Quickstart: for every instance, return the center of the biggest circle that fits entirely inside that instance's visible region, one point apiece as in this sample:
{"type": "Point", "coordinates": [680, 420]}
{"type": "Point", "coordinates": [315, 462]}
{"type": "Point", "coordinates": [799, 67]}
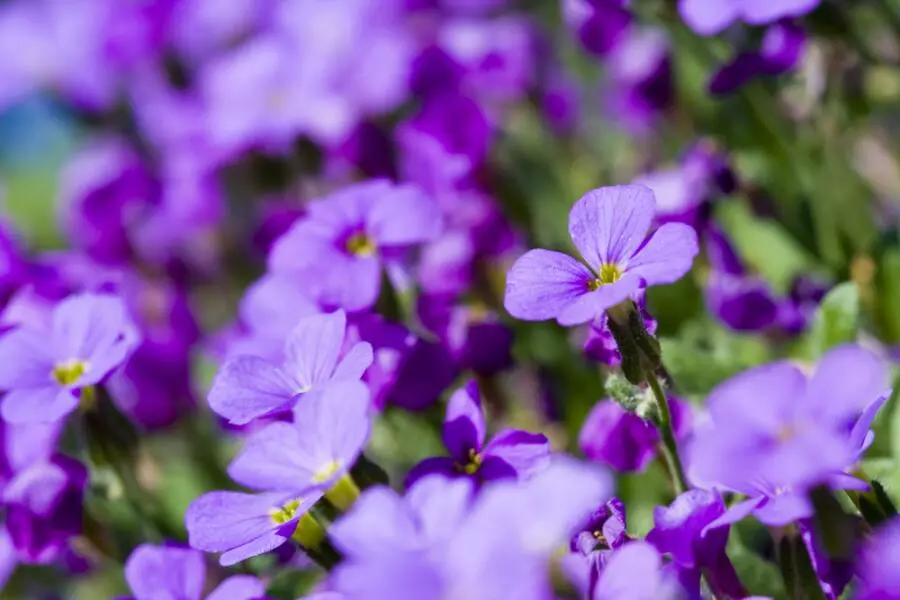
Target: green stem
{"type": "Point", "coordinates": [668, 445]}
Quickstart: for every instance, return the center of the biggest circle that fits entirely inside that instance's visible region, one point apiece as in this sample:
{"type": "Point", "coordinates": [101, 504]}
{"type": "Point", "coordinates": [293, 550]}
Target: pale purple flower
{"type": "Point", "coordinates": [330, 430]}
{"type": "Point", "coordinates": [44, 371]}
{"type": "Point", "coordinates": [635, 572]}
{"type": "Point", "coordinates": [774, 432]}
{"type": "Point", "coordinates": [511, 454]}
{"type": "Point", "coordinates": [248, 387]}
{"type": "Point", "coordinates": [173, 573]}
{"type": "Point", "coordinates": [879, 565]}
{"type": "Point", "coordinates": [608, 226]}
{"type": "Point", "coordinates": [241, 525]}
{"type": "Point", "coordinates": [339, 248]}
{"type": "Point", "coordinates": [709, 17]}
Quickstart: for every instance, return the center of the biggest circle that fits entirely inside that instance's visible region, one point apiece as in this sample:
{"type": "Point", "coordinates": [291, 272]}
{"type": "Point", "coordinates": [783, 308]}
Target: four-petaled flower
{"type": "Point", "coordinates": [608, 226]}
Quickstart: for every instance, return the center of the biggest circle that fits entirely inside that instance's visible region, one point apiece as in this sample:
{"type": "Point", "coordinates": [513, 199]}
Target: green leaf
{"type": "Point", "coordinates": [759, 576]}
{"type": "Point", "coordinates": [836, 322]}
{"type": "Point", "coordinates": [799, 576]}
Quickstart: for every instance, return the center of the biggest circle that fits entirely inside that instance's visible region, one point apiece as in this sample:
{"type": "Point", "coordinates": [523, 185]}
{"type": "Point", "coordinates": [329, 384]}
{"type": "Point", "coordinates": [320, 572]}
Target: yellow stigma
{"type": "Point", "coordinates": [326, 471]}
{"type": "Point", "coordinates": [609, 273]}
{"type": "Point", "coordinates": [68, 372]}
{"type": "Point", "coordinates": [286, 513]}
{"type": "Point", "coordinates": [471, 467]}
{"type": "Point", "coordinates": [360, 244]}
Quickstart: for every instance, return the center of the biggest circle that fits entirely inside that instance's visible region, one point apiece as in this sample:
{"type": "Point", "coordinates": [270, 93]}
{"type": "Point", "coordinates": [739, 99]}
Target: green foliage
{"type": "Point", "coordinates": [836, 321]}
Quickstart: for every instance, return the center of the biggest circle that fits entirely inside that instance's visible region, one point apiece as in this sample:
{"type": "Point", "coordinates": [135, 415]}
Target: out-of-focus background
{"type": "Point", "coordinates": [174, 140]}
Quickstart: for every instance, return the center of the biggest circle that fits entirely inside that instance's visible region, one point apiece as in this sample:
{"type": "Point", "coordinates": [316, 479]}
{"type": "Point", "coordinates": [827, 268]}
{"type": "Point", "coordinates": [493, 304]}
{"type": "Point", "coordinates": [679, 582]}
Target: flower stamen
{"type": "Point", "coordinates": [68, 372]}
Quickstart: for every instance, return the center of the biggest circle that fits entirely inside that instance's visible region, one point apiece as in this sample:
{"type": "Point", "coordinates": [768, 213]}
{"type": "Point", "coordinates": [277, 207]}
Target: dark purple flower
{"type": "Point", "coordinates": [511, 454]}
{"type": "Point", "coordinates": [613, 436]}
{"type": "Point", "coordinates": [248, 387]}
{"type": "Point", "coordinates": [604, 530]}
{"type": "Point", "coordinates": [44, 508]}
{"type": "Point", "coordinates": [781, 50]}
{"type": "Point", "coordinates": [879, 565]}
{"type": "Point", "coordinates": [599, 24]}
{"type": "Point", "coordinates": [709, 17]}
{"type": "Point", "coordinates": [608, 226]}
{"type": "Point", "coordinates": [173, 573]}
{"type": "Point", "coordinates": [456, 122]}
{"type": "Point", "coordinates": [774, 432]}
{"type": "Point", "coordinates": [44, 371]}
{"type": "Point", "coordinates": [339, 248]}
{"type": "Point", "coordinates": [834, 573]}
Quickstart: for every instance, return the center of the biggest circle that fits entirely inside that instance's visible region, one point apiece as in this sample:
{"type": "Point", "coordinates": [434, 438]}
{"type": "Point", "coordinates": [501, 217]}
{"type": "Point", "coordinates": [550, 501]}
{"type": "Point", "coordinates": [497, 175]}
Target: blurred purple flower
{"type": "Point", "coordinates": [879, 565]}
{"type": "Point", "coordinates": [600, 345]}
{"type": "Point", "coordinates": [635, 572]}
{"type": "Point", "coordinates": [241, 525]}
{"type": "Point", "coordinates": [709, 17]}
{"type": "Point", "coordinates": [248, 387]}
{"type": "Point", "coordinates": [608, 226]}
{"type": "Point", "coordinates": [613, 436]}
{"type": "Point", "coordinates": [340, 246]}
{"type": "Point", "coordinates": [45, 371]}
{"type": "Point", "coordinates": [511, 454]}
{"type": "Point", "coordinates": [641, 83]}
{"type": "Point", "coordinates": [599, 24]}
{"type": "Point", "coordinates": [782, 48]}
{"type": "Point", "coordinates": [774, 432]}
{"type": "Point", "coordinates": [173, 573]}
{"type": "Point", "coordinates": [331, 427]}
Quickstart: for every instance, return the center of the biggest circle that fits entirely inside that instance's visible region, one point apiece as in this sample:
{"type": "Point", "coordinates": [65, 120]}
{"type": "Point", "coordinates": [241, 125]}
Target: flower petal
{"type": "Point", "coordinates": [238, 587]}
{"type": "Point", "coordinates": [708, 17]}
{"type": "Point", "coordinates": [404, 215]}
{"type": "Point", "coordinates": [26, 359]}
{"type": "Point", "coordinates": [592, 304]}
{"type": "Point", "coordinates": [464, 425]}
{"type": "Point", "coordinates": [378, 523]}
{"type": "Point", "coordinates": [165, 572]}
{"type": "Point", "coordinates": [527, 453]}
{"type": "Point", "coordinates": [37, 405]}
{"type": "Point", "coordinates": [248, 387]}
{"type": "Point", "coordinates": [846, 380]}
{"type": "Point", "coordinates": [443, 466]}
{"type": "Point", "coordinates": [782, 509]}
{"type": "Point", "coordinates": [542, 283]}
{"type": "Point", "coordinates": [735, 513]}
{"type": "Point", "coordinates": [278, 457]}
{"type": "Point", "coordinates": [311, 350]}
{"type": "Point", "coordinates": [608, 224]}
{"type": "Point", "coordinates": [667, 256]}
{"type": "Point", "coordinates": [265, 543]}
{"type": "Point", "coordinates": [354, 364]}
{"type": "Point", "coordinates": [219, 521]}
{"type": "Point", "coordinates": [440, 504]}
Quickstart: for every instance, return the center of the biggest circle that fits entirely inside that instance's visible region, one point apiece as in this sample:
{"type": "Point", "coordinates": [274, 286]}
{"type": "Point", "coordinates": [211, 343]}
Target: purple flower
{"type": "Point", "coordinates": [608, 226]}
{"type": "Point", "coordinates": [879, 565]}
{"type": "Point", "coordinates": [241, 525]}
{"type": "Point", "coordinates": [709, 17]}
{"type": "Point", "coordinates": [45, 371]}
{"type": "Point", "coordinates": [600, 345]}
{"type": "Point", "coordinates": [781, 50]}
{"type": "Point", "coordinates": [44, 508]}
{"type": "Point", "coordinates": [511, 454]}
{"type": "Point", "coordinates": [604, 530]}
{"type": "Point", "coordinates": [613, 436]}
{"type": "Point", "coordinates": [173, 573]}
{"type": "Point", "coordinates": [339, 248]}
{"type": "Point", "coordinates": [641, 81]}
{"type": "Point", "coordinates": [248, 387]}
{"type": "Point", "coordinates": [635, 572]}
{"type": "Point", "coordinates": [774, 432]}
{"type": "Point", "coordinates": [330, 429]}
{"type": "Point", "coordinates": [680, 530]}
{"type": "Point", "coordinates": [599, 24]}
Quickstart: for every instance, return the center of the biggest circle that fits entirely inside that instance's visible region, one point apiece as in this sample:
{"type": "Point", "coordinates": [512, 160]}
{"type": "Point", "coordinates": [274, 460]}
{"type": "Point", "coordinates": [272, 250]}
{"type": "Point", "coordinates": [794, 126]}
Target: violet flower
{"type": "Point", "coordinates": [635, 572]}
{"type": "Point", "coordinates": [608, 226]}
{"type": "Point", "coordinates": [598, 24]}
{"type": "Point", "coordinates": [173, 573]}
{"type": "Point", "coordinates": [782, 48]}
{"type": "Point", "coordinates": [511, 454]}
{"type": "Point", "coordinates": [879, 565]}
{"type": "Point", "coordinates": [624, 441]}
{"type": "Point", "coordinates": [330, 429]}
{"type": "Point", "coordinates": [44, 372]}
{"type": "Point", "coordinates": [248, 387]}
{"type": "Point", "coordinates": [709, 17]}
{"type": "Point", "coordinates": [774, 432]}
{"type": "Point", "coordinates": [341, 245]}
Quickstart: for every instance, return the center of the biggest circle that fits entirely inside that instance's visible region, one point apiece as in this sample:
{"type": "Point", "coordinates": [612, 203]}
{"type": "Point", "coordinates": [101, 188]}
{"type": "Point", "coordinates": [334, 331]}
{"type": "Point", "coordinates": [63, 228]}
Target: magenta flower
{"type": "Point", "coordinates": [608, 226]}
{"type": "Point", "coordinates": [511, 454]}
{"type": "Point", "coordinates": [45, 371]}
{"type": "Point", "coordinates": [340, 247]}
{"type": "Point", "coordinates": [709, 17]}
{"type": "Point", "coordinates": [330, 430]}
{"type": "Point", "coordinates": [248, 387]}
{"type": "Point", "coordinates": [173, 573]}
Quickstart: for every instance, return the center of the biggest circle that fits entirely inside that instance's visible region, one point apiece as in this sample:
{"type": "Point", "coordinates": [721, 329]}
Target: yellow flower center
{"type": "Point", "coordinates": [360, 244]}
{"type": "Point", "coordinates": [472, 466]}
{"type": "Point", "coordinates": [284, 514]}
{"type": "Point", "coordinates": [326, 472]}
{"type": "Point", "coordinates": [68, 372]}
{"type": "Point", "coordinates": [609, 273]}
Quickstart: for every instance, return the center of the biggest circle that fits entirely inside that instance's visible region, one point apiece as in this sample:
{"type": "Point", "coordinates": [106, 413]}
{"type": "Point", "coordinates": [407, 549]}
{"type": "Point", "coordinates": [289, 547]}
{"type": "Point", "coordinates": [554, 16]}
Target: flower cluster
{"type": "Point", "coordinates": [290, 307]}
